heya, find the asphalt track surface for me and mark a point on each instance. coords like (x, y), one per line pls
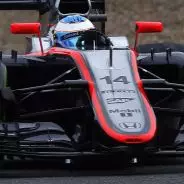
(151, 179)
(158, 172)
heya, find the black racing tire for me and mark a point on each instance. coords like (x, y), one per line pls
(170, 69)
(160, 47)
(3, 76)
(3, 83)
(168, 125)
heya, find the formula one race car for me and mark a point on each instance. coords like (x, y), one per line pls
(78, 92)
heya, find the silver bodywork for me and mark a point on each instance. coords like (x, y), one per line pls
(122, 102)
(119, 41)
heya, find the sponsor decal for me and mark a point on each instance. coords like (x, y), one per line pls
(130, 125)
(118, 91)
(61, 57)
(129, 114)
(69, 35)
(118, 100)
(125, 111)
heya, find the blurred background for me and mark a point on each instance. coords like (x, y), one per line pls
(121, 17)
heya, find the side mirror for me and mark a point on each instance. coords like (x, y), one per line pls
(25, 28)
(147, 27)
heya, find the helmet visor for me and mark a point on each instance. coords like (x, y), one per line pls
(67, 40)
(82, 40)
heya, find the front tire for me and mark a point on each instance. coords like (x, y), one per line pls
(160, 47)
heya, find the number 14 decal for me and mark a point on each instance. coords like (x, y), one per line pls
(122, 79)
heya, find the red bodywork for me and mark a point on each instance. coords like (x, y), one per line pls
(148, 27)
(25, 28)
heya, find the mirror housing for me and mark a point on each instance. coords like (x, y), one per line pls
(149, 27)
(25, 28)
(146, 27)
(28, 28)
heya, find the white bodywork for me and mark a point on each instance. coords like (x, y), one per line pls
(119, 41)
(35, 44)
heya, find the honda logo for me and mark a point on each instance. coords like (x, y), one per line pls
(130, 125)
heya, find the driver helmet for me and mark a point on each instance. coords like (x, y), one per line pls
(67, 32)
